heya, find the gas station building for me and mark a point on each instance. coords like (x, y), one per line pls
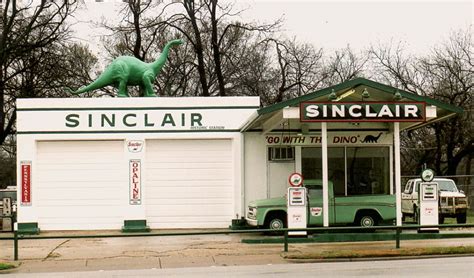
(195, 162)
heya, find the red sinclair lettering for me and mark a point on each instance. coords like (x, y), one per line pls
(26, 184)
(134, 144)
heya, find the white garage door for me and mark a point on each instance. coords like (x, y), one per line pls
(189, 183)
(80, 185)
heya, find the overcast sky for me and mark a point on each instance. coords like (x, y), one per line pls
(335, 24)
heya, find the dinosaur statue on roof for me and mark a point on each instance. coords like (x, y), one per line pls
(128, 70)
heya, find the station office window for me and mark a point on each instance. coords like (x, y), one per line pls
(281, 153)
(353, 170)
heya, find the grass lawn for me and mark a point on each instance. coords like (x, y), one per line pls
(469, 220)
(4, 266)
(369, 253)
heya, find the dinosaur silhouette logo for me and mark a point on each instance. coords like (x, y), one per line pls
(371, 138)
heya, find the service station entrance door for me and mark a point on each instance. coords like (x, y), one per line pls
(428, 206)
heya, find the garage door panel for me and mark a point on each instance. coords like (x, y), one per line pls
(189, 183)
(82, 158)
(197, 158)
(178, 195)
(109, 185)
(190, 165)
(217, 210)
(80, 166)
(83, 211)
(154, 180)
(82, 176)
(80, 180)
(187, 145)
(77, 194)
(190, 201)
(189, 174)
(78, 203)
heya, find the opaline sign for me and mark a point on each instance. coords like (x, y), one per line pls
(362, 112)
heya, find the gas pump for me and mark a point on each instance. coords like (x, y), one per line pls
(6, 214)
(297, 205)
(428, 197)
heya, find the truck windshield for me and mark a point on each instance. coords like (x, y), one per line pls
(447, 186)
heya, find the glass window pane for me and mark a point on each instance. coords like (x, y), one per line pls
(311, 163)
(312, 166)
(368, 170)
(336, 170)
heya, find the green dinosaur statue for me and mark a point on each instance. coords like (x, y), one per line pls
(128, 70)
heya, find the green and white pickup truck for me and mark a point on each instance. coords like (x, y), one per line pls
(359, 210)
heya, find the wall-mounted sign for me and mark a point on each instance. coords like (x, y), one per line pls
(25, 183)
(159, 115)
(362, 111)
(135, 146)
(135, 182)
(334, 138)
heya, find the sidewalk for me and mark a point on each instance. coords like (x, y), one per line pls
(84, 254)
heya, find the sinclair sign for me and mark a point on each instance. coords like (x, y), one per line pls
(362, 111)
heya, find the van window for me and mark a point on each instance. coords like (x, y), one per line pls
(408, 188)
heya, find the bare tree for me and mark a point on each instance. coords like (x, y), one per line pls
(299, 68)
(27, 32)
(445, 74)
(344, 64)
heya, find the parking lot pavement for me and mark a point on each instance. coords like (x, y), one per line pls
(48, 255)
(82, 254)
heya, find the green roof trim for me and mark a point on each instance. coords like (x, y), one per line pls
(353, 83)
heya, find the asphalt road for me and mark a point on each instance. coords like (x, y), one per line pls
(430, 268)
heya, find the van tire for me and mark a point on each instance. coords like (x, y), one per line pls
(415, 214)
(461, 218)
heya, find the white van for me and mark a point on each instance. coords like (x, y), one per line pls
(452, 202)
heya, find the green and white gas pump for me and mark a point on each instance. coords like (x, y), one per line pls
(428, 198)
(297, 205)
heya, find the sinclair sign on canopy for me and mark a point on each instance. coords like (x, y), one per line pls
(362, 111)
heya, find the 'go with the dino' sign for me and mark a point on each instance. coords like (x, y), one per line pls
(128, 70)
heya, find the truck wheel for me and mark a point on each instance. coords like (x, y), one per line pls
(276, 223)
(461, 218)
(367, 221)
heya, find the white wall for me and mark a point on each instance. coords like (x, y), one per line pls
(41, 120)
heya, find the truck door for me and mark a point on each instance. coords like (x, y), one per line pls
(315, 207)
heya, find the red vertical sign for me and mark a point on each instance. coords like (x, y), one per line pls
(26, 183)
